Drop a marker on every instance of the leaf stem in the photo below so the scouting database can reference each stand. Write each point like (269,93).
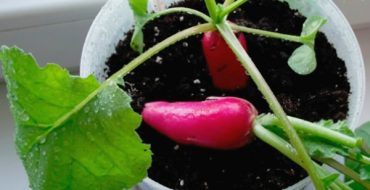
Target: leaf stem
(265,33)
(285,148)
(212,10)
(227,10)
(275,106)
(275,141)
(228,2)
(176,10)
(364,159)
(345,170)
(314,129)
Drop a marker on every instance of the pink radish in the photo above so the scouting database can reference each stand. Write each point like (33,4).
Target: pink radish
(218,123)
(225,69)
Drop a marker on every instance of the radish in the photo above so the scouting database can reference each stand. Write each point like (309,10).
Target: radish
(217,123)
(225,69)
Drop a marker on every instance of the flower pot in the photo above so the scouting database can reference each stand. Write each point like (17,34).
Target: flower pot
(116,18)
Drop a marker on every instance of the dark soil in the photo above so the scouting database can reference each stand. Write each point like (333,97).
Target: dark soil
(180,73)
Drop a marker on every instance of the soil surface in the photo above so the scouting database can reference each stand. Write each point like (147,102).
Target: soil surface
(180,73)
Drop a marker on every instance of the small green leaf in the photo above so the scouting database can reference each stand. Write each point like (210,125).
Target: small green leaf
(364,170)
(303,60)
(137,40)
(66,142)
(311,27)
(328,180)
(140,7)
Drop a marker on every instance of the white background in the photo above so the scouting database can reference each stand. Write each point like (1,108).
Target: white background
(16,29)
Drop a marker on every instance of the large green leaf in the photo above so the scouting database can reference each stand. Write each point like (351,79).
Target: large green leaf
(319,148)
(72,133)
(339,126)
(364,132)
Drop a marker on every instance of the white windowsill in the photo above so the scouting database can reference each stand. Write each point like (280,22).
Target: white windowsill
(18,14)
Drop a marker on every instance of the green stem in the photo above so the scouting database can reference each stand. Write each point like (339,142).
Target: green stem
(265,33)
(345,170)
(176,10)
(285,148)
(228,2)
(227,10)
(323,173)
(353,156)
(315,129)
(275,141)
(129,67)
(159,47)
(275,106)
(213,10)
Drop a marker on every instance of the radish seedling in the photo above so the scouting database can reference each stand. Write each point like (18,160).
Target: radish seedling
(82,134)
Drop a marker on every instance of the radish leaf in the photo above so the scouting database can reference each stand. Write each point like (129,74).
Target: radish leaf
(65,140)
(139,7)
(303,60)
(364,170)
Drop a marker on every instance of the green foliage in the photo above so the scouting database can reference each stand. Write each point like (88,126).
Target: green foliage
(363,169)
(328,180)
(339,126)
(72,133)
(364,132)
(139,7)
(322,148)
(303,60)
(319,148)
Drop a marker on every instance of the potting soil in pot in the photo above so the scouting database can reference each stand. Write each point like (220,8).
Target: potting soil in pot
(180,73)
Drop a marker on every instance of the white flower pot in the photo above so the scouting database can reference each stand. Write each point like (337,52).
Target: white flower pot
(116,18)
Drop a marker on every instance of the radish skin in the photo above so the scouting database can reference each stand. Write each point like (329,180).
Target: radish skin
(226,71)
(218,123)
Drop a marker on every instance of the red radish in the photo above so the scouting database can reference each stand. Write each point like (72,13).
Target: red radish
(218,123)
(225,69)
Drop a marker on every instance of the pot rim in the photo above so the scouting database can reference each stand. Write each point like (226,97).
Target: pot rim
(357,101)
